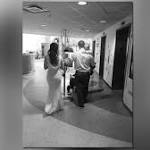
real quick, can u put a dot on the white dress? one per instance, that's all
(54, 78)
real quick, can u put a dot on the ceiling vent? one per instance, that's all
(35, 9)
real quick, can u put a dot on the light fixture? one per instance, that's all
(82, 3)
(87, 30)
(102, 21)
(43, 25)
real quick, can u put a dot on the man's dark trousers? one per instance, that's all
(81, 83)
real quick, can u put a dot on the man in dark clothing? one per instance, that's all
(84, 65)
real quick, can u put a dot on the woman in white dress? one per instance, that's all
(53, 63)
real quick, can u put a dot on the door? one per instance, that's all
(93, 48)
(102, 56)
(120, 58)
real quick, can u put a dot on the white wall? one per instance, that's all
(109, 48)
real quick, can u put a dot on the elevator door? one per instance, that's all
(102, 56)
(120, 58)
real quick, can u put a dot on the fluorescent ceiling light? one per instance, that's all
(82, 3)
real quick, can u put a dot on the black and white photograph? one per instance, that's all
(77, 74)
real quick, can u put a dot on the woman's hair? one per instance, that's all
(81, 44)
(53, 54)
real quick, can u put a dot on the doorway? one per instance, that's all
(45, 47)
(120, 57)
(93, 48)
(102, 56)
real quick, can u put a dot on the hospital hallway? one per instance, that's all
(103, 122)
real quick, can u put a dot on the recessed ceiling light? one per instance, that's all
(82, 3)
(43, 25)
(102, 21)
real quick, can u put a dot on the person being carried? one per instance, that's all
(84, 65)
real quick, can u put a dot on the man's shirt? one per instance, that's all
(83, 61)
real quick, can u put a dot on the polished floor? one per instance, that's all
(104, 121)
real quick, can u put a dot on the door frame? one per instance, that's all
(122, 27)
(93, 47)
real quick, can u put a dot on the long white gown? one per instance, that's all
(54, 78)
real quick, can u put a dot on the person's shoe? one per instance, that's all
(81, 106)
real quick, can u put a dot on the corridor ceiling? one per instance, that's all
(80, 21)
